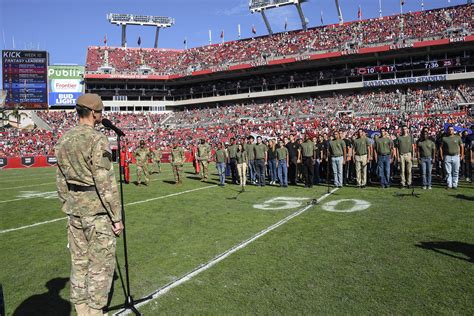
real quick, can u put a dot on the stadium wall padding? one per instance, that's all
(48, 161)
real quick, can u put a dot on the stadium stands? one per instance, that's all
(370, 110)
(320, 39)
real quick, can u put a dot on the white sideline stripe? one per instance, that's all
(35, 185)
(32, 225)
(189, 275)
(16, 179)
(27, 186)
(132, 203)
(21, 199)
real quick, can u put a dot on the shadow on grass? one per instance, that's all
(48, 303)
(169, 181)
(451, 249)
(463, 197)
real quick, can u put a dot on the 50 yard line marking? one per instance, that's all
(127, 204)
(189, 275)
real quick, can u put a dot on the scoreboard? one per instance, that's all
(25, 78)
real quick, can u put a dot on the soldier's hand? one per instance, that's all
(117, 228)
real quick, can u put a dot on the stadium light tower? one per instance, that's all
(339, 12)
(262, 5)
(143, 20)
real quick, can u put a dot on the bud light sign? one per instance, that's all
(65, 84)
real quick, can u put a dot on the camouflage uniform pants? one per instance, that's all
(142, 170)
(157, 166)
(178, 173)
(92, 246)
(204, 169)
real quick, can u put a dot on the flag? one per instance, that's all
(222, 34)
(402, 2)
(185, 43)
(359, 13)
(286, 24)
(322, 21)
(105, 39)
(254, 30)
(139, 42)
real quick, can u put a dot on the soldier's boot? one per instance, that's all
(82, 309)
(96, 312)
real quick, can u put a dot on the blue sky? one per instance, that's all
(66, 27)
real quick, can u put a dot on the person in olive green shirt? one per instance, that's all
(242, 161)
(142, 154)
(337, 151)
(405, 149)
(177, 161)
(283, 162)
(260, 152)
(249, 148)
(383, 155)
(426, 157)
(308, 155)
(232, 150)
(221, 161)
(362, 155)
(203, 155)
(452, 152)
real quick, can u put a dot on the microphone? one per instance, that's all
(108, 124)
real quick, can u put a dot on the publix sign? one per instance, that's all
(65, 84)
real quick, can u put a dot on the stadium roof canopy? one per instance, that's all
(262, 5)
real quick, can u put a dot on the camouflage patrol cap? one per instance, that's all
(91, 101)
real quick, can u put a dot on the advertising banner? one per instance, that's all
(25, 75)
(409, 80)
(66, 84)
(3, 162)
(52, 160)
(27, 161)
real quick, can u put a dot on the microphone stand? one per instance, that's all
(129, 303)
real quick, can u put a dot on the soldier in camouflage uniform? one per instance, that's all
(177, 161)
(88, 192)
(203, 155)
(142, 154)
(157, 160)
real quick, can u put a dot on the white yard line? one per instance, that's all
(131, 203)
(32, 225)
(21, 199)
(15, 179)
(170, 195)
(27, 186)
(189, 275)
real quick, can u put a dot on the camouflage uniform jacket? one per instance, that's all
(142, 155)
(204, 152)
(158, 154)
(177, 156)
(85, 159)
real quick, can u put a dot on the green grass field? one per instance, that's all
(401, 255)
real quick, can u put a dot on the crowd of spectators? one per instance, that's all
(370, 110)
(355, 34)
(467, 92)
(429, 100)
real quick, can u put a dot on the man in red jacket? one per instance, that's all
(125, 164)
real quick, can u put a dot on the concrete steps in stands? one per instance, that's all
(40, 123)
